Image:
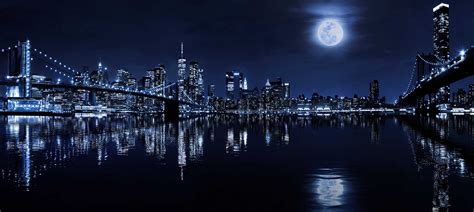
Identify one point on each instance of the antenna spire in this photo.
(182, 50)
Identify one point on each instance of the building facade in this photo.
(441, 44)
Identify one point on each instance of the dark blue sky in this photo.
(264, 38)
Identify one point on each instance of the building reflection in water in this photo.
(181, 150)
(276, 132)
(32, 146)
(434, 148)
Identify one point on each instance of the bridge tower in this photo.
(423, 71)
(19, 70)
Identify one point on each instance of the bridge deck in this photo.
(462, 68)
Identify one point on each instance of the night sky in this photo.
(262, 38)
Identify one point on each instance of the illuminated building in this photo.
(195, 84)
(97, 78)
(441, 43)
(122, 76)
(230, 87)
(278, 93)
(157, 76)
(181, 73)
(146, 82)
(234, 85)
(160, 75)
(441, 31)
(471, 95)
(200, 88)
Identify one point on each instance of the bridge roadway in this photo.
(104, 89)
(458, 69)
(171, 105)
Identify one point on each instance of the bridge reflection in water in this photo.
(32, 147)
(434, 147)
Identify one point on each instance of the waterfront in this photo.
(336, 162)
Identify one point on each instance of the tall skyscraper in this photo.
(441, 43)
(229, 84)
(200, 87)
(181, 73)
(195, 87)
(235, 83)
(157, 75)
(97, 76)
(374, 93)
(245, 86)
(278, 93)
(160, 77)
(441, 31)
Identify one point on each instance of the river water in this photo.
(230, 163)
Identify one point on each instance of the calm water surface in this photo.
(227, 163)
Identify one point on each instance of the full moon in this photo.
(330, 32)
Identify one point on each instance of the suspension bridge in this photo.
(19, 81)
(429, 74)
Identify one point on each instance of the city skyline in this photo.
(240, 105)
(242, 45)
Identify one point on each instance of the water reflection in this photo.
(34, 145)
(434, 147)
(441, 145)
(328, 187)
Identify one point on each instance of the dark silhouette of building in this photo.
(374, 92)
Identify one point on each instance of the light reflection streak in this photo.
(432, 146)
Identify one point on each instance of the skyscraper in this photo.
(441, 31)
(122, 76)
(245, 86)
(229, 84)
(374, 93)
(97, 79)
(200, 86)
(181, 73)
(157, 75)
(278, 93)
(441, 43)
(195, 87)
(97, 76)
(234, 85)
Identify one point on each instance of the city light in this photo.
(274, 97)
